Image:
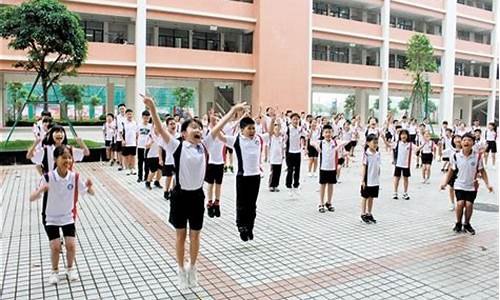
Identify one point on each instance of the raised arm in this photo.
(31, 150)
(83, 146)
(236, 108)
(159, 130)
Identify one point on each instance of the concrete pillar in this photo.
(190, 39)
(363, 56)
(425, 27)
(328, 52)
(237, 92)
(349, 57)
(156, 35)
(106, 32)
(361, 106)
(222, 41)
(110, 95)
(377, 58)
(131, 33)
(471, 36)
(448, 63)
(140, 58)
(364, 15)
(493, 68)
(130, 92)
(471, 70)
(468, 110)
(384, 60)
(206, 90)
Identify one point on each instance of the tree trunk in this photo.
(45, 95)
(64, 110)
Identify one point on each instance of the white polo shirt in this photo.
(60, 207)
(250, 154)
(467, 168)
(130, 130)
(143, 131)
(403, 158)
(120, 121)
(154, 149)
(490, 135)
(373, 171)
(376, 131)
(412, 129)
(329, 155)
(294, 138)
(276, 148)
(428, 146)
(215, 149)
(192, 163)
(109, 130)
(39, 153)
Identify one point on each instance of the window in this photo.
(459, 69)
(401, 62)
(392, 60)
(401, 23)
(173, 38)
(485, 72)
(338, 54)
(206, 40)
(340, 12)
(117, 33)
(248, 42)
(320, 52)
(94, 31)
(320, 8)
(463, 35)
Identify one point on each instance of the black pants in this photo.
(247, 191)
(142, 165)
(293, 164)
(274, 177)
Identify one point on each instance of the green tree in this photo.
(50, 34)
(183, 97)
(350, 105)
(405, 104)
(72, 93)
(420, 59)
(94, 101)
(17, 93)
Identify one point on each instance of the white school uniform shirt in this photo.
(347, 136)
(39, 153)
(130, 130)
(412, 129)
(315, 135)
(215, 149)
(373, 171)
(294, 138)
(276, 148)
(490, 135)
(428, 146)
(192, 163)
(154, 149)
(405, 125)
(109, 130)
(250, 153)
(447, 144)
(449, 152)
(403, 158)
(143, 131)
(120, 121)
(60, 206)
(376, 131)
(461, 132)
(329, 155)
(467, 167)
(479, 145)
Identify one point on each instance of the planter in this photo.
(19, 157)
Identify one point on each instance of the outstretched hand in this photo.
(148, 102)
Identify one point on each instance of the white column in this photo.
(140, 57)
(493, 67)
(190, 39)
(222, 41)
(363, 56)
(156, 35)
(361, 107)
(385, 14)
(131, 33)
(328, 52)
(448, 63)
(424, 27)
(105, 29)
(364, 15)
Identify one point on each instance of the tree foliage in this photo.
(183, 97)
(350, 105)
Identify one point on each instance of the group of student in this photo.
(191, 151)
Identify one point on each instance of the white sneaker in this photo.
(72, 274)
(54, 278)
(182, 279)
(290, 193)
(310, 174)
(133, 172)
(451, 207)
(297, 191)
(192, 277)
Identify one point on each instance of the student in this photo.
(480, 144)
(230, 128)
(462, 129)
(491, 140)
(60, 188)
(120, 122)
(314, 134)
(449, 152)
(347, 136)
(412, 130)
(442, 135)
(370, 178)
(419, 142)
(277, 153)
(187, 202)
(404, 122)
(154, 160)
(248, 149)
(39, 128)
(357, 128)
(403, 151)
(475, 125)
(168, 169)
(445, 144)
(468, 165)
(294, 133)
(43, 156)
(372, 128)
(108, 130)
(328, 164)
(129, 143)
(215, 168)
(427, 151)
(143, 131)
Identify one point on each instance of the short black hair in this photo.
(398, 127)
(294, 115)
(111, 115)
(372, 117)
(145, 113)
(188, 122)
(129, 110)
(477, 130)
(469, 135)
(453, 140)
(46, 113)
(327, 126)
(448, 130)
(49, 140)
(404, 131)
(59, 151)
(371, 137)
(445, 122)
(246, 121)
(121, 104)
(168, 119)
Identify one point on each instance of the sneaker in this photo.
(182, 279)
(210, 210)
(321, 208)
(72, 274)
(458, 227)
(166, 195)
(192, 277)
(111, 163)
(329, 206)
(148, 185)
(371, 219)
(54, 277)
(276, 190)
(406, 197)
(139, 180)
(120, 168)
(469, 229)
(290, 192)
(129, 172)
(296, 192)
(132, 172)
(243, 233)
(395, 196)
(216, 208)
(225, 169)
(451, 207)
(365, 219)
(272, 189)
(310, 174)
(157, 184)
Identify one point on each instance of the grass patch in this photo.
(25, 144)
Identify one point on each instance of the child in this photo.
(313, 137)
(479, 144)
(370, 178)
(449, 152)
(328, 164)
(215, 169)
(276, 152)
(461, 130)
(120, 122)
(442, 135)
(491, 139)
(294, 134)
(427, 150)
(403, 150)
(347, 135)
(143, 132)
(412, 130)
(40, 130)
(60, 189)
(168, 168)
(468, 164)
(154, 160)
(419, 142)
(248, 149)
(446, 143)
(108, 130)
(129, 142)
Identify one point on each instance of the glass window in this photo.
(459, 69)
(339, 54)
(248, 42)
(206, 40)
(320, 52)
(401, 62)
(340, 12)
(173, 38)
(392, 61)
(94, 31)
(485, 71)
(463, 35)
(320, 8)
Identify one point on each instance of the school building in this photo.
(281, 52)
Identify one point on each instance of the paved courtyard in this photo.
(126, 247)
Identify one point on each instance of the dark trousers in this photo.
(274, 177)
(293, 164)
(247, 191)
(142, 166)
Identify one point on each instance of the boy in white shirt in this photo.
(143, 131)
(215, 168)
(294, 135)
(276, 152)
(129, 142)
(120, 121)
(108, 129)
(370, 178)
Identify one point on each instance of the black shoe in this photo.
(329, 207)
(458, 227)
(365, 219)
(139, 180)
(216, 210)
(157, 184)
(210, 210)
(272, 189)
(120, 168)
(166, 195)
(250, 234)
(148, 185)
(371, 219)
(469, 229)
(112, 163)
(231, 168)
(225, 169)
(243, 233)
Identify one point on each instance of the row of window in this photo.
(345, 12)
(472, 70)
(478, 37)
(486, 5)
(341, 54)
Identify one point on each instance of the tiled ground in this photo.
(126, 248)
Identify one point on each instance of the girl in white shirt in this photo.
(491, 140)
(313, 136)
(276, 154)
(109, 132)
(370, 178)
